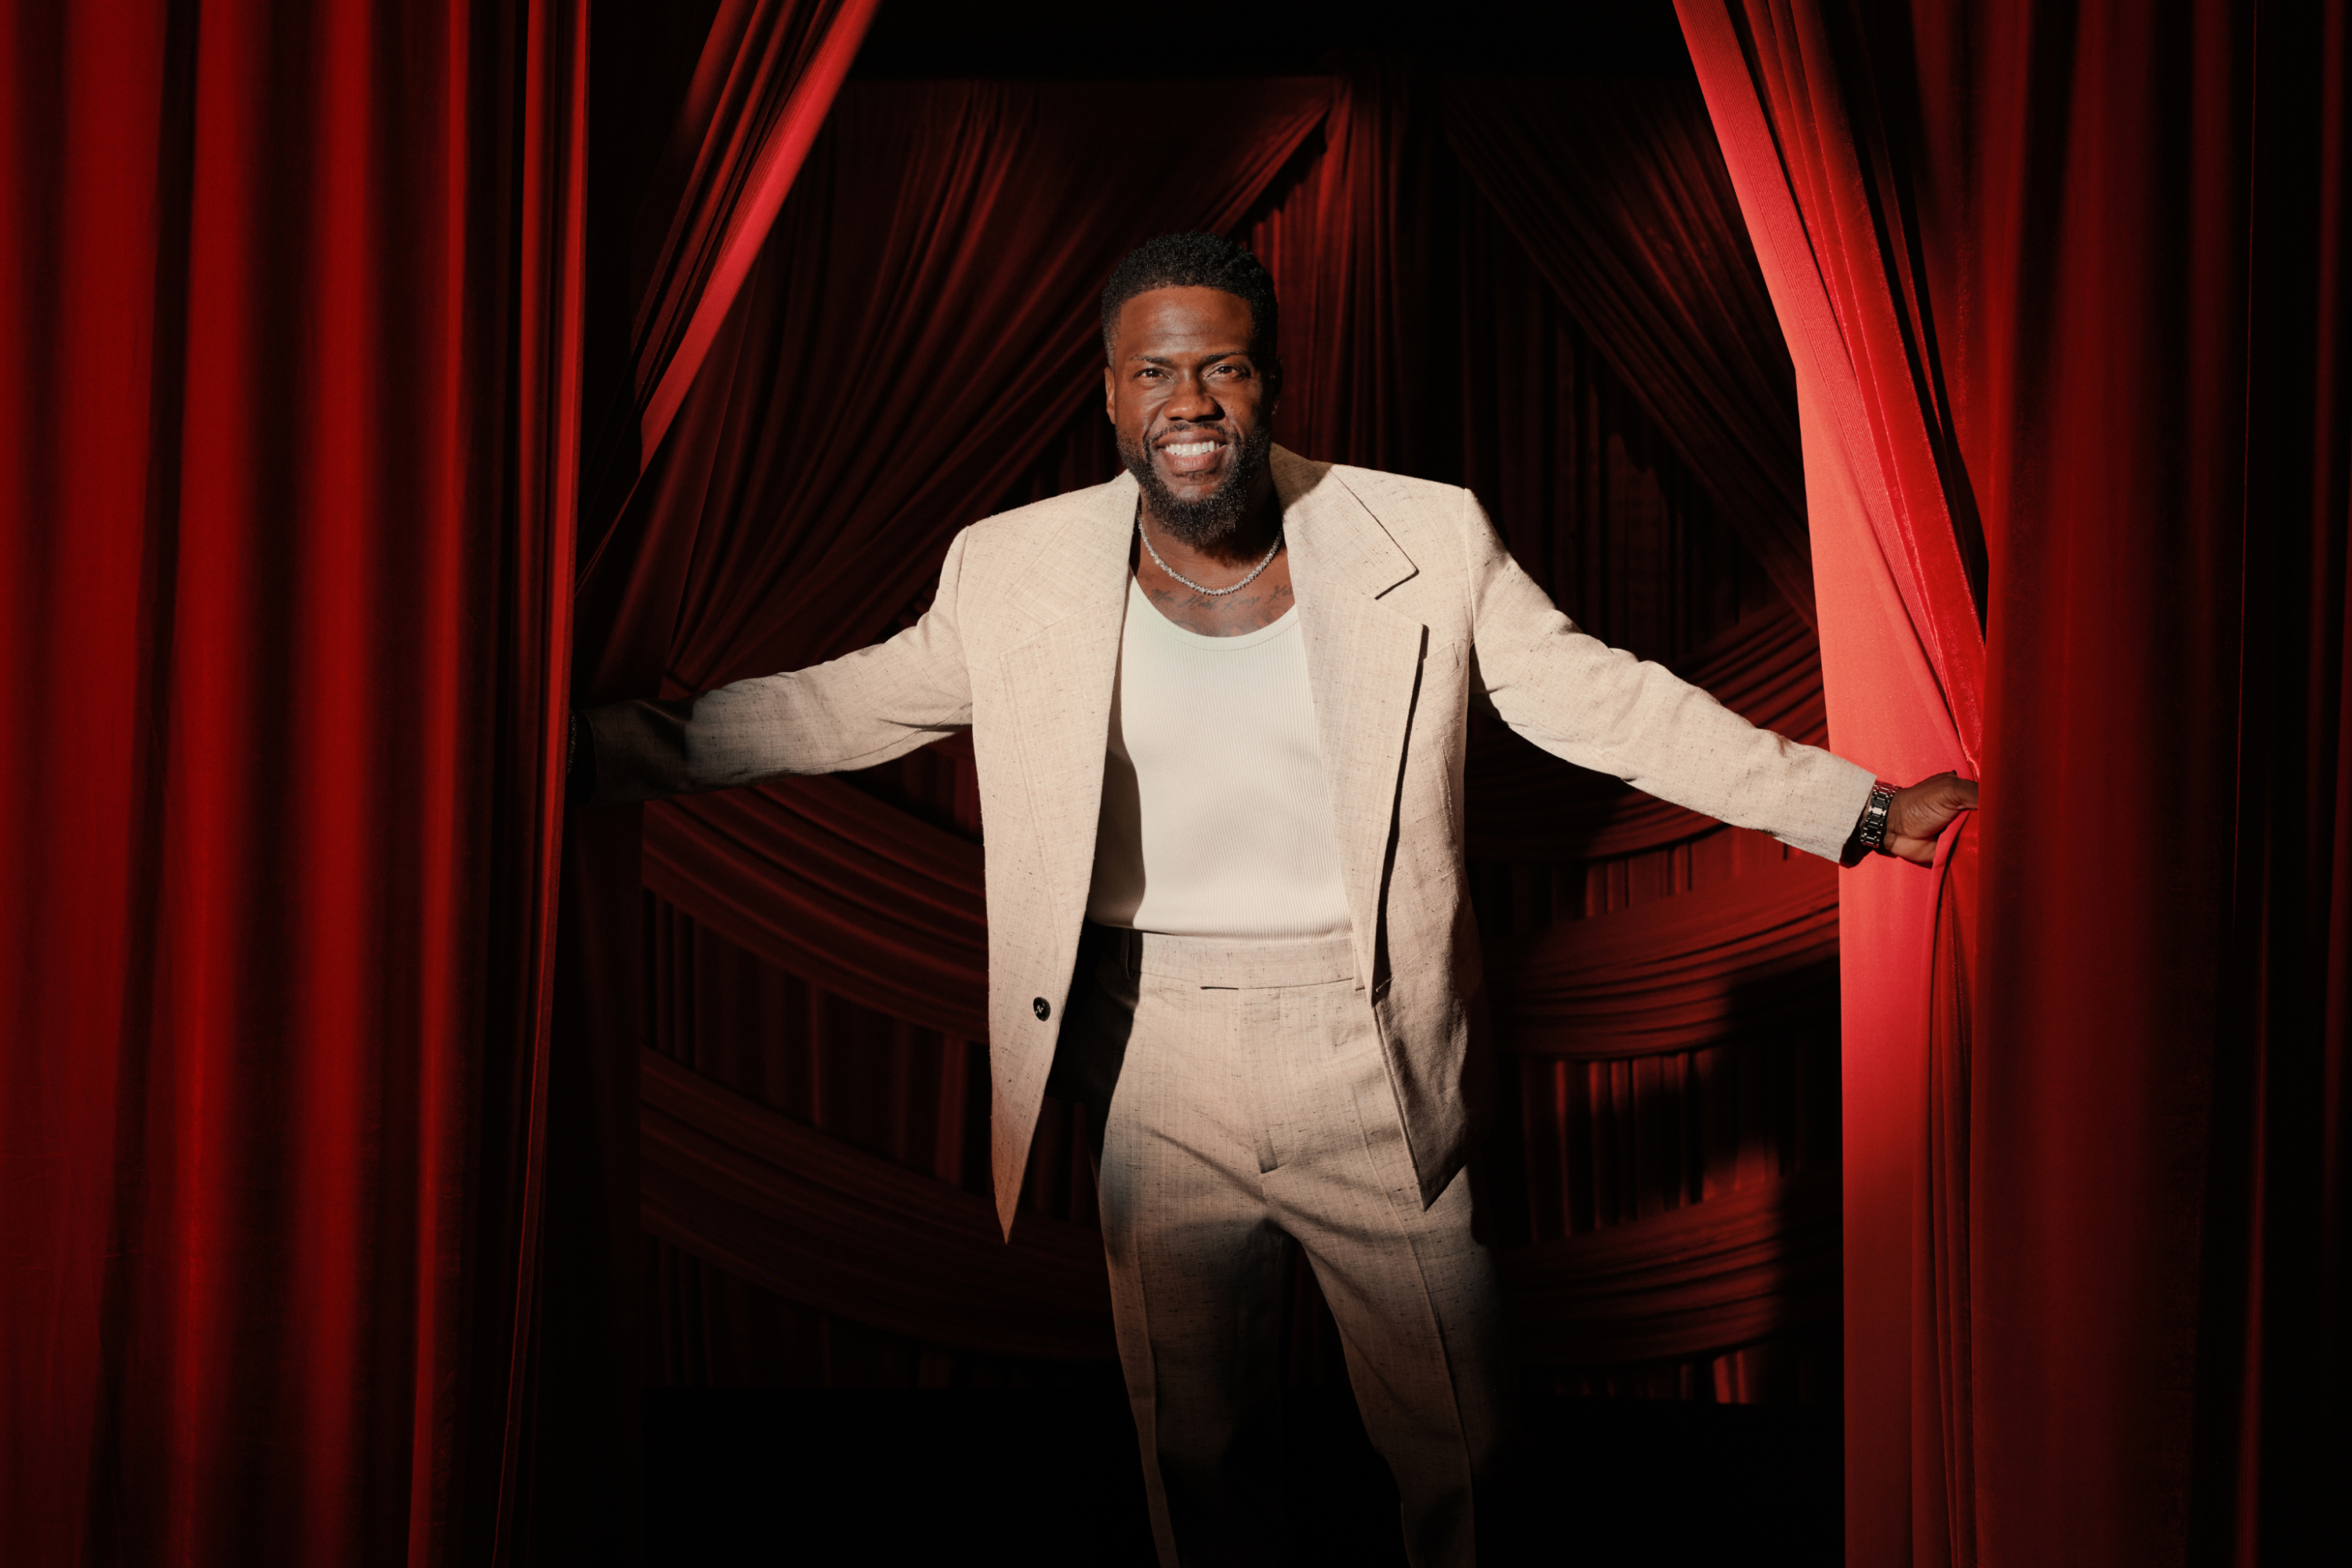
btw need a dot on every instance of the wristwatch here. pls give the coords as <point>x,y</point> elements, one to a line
<point>1870,830</point>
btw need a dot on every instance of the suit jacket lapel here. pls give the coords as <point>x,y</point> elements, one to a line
<point>1061,677</point>
<point>1363,666</point>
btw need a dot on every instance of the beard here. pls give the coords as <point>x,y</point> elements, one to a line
<point>1216,517</point>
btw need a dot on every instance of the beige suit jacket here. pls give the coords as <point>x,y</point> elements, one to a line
<point>1408,603</point>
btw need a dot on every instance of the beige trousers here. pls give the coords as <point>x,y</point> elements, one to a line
<point>1243,1105</point>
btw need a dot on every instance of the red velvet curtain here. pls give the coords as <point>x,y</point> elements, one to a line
<point>763,86</point>
<point>750,544</point>
<point>1490,373</point>
<point>1647,248</point>
<point>909,256</point>
<point>814,946</point>
<point>2082,267</point>
<point>1351,264</point>
<point>289,375</point>
<point>1903,663</point>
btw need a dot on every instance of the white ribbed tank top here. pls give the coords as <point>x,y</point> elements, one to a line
<point>1216,814</point>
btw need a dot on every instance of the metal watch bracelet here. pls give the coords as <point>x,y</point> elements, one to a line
<point>1870,832</point>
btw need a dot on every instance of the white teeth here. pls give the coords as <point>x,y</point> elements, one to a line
<point>1189,449</point>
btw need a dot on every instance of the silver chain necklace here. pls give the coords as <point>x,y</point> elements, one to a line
<point>1271,551</point>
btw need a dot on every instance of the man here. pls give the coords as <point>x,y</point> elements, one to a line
<point>1219,708</point>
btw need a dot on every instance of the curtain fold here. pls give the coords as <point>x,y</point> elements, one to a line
<point>761,86</point>
<point>2083,262</point>
<point>913,203</point>
<point>1903,667</point>
<point>818,1221</point>
<point>1618,191</point>
<point>837,882</point>
<point>289,363</point>
<point>1350,245</point>
<point>823,880</point>
<point>911,258</point>
<point>1752,956</point>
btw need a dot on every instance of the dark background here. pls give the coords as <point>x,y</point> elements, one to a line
<point>748,1455</point>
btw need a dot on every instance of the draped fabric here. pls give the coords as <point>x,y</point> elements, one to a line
<point>794,513</point>
<point>814,1219</point>
<point>1350,266</point>
<point>2083,265</point>
<point>912,204</point>
<point>1649,246</point>
<point>763,86</point>
<point>289,354</point>
<point>1903,668</point>
<point>819,877</point>
<point>842,883</point>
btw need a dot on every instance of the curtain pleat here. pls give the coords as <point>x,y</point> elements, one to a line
<point>1617,192</point>
<point>761,87</point>
<point>290,365</point>
<point>825,881</point>
<point>813,1220</point>
<point>763,84</point>
<point>2063,284</point>
<point>842,884</point>
<point>1903,665</point>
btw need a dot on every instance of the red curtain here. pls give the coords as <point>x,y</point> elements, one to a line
<point>2080,266</point>
<point>289,376</point>
<point>1351,265</point>
<point>813,944</point>
<point>1647,248</point>
<point>763,86</point>
<point>910,254</point>
<point>763,82</point>
<point>1903,665</point>
<point>910,260</point>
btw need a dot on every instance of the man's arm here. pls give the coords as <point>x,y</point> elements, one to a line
<point>853,711</point>
<point>1603,709</point>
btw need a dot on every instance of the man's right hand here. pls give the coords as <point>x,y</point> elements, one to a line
<point>1918,816</point>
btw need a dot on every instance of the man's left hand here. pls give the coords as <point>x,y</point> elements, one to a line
<point>1918,816</point>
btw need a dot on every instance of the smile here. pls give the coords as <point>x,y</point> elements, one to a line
<point>1191,449</point>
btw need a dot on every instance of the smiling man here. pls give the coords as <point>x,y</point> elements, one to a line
<point>1219,706</point>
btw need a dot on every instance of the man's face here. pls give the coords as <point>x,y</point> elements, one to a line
<point>1193,406</point>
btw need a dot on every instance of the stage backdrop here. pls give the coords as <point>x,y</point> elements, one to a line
<point>1665,1175</point>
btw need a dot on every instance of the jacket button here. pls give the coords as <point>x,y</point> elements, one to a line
<point>1043,1008</point>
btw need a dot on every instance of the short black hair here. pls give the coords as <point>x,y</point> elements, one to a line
<point>1193,262</point>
